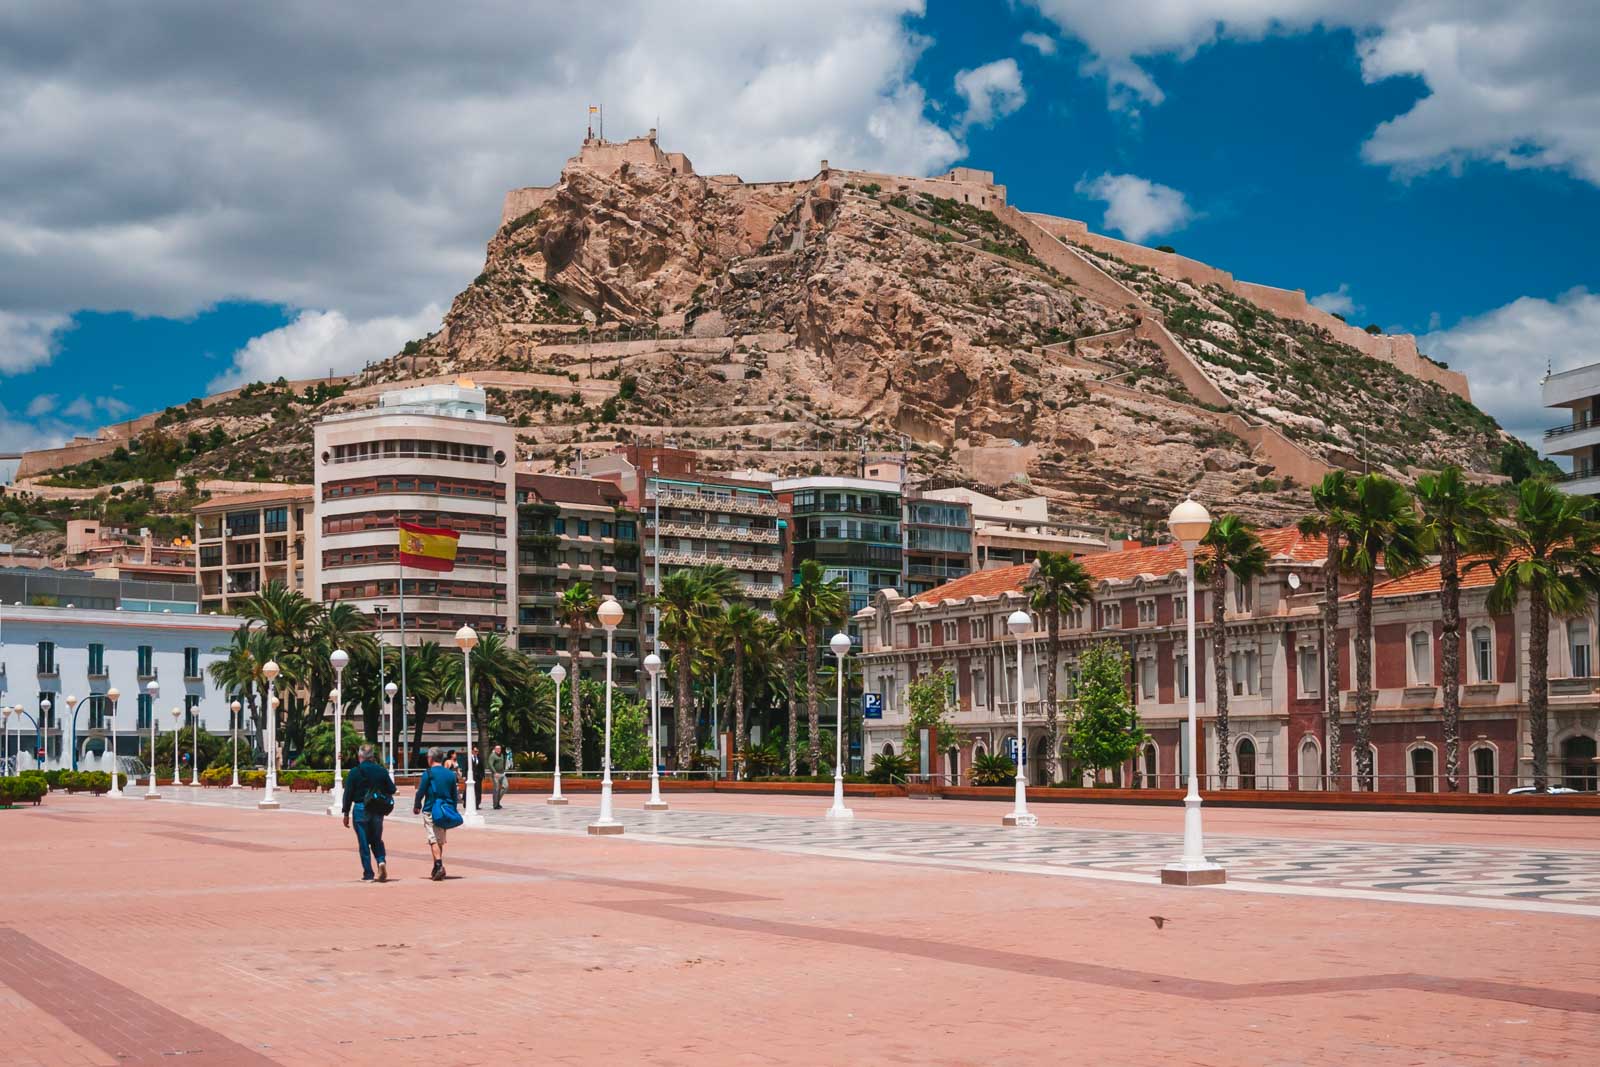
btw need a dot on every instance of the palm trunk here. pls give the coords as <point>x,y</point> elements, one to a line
<point>684,712</point>
<point>1450,657</point>
<point>1219,666</point>
<point>1330,654</point>
<point>813,741</point>
<point>421,721</point>
<point>1539,685</point>
<point>575,718</point>
<point>794,730</point>
<point>741,739</point>
<point>1364,685</point>
<point>1052,755</point>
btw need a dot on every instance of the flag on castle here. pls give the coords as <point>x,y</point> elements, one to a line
<point>429,548</point>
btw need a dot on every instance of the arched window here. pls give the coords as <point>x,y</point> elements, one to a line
<point>1577,763</point>
<point>1310,764</point>
<point>1246,753</point>
<point>1483,769</point>
<point>1482,654</point>
<point>1151,773</point>
<point>1368,782</point>
<point>888,748</point>
<point>1422,769</point>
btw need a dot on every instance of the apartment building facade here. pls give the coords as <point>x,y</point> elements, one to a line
<point>430,455</point>
<point>572,530</point>
<point>244,542</point>
<point>852,526</point>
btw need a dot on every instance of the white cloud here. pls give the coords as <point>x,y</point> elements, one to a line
<point>28,339</point>
<point>1504,353</point>
<point>318,342</point>
<point>1512,83</point>
<point>353,157</point>
<point>991,91</point>
<point>43,404</point>
<point>1338,302</point>
<point>1137,207</point>
<point>1042,43</point>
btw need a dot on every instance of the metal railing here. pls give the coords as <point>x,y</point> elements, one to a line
<point>713,531</point>
<point>740,505</point>
<point>1584,423</point>
<point>1467,782</point>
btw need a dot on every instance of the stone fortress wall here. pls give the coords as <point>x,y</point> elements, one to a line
<point>1400,349</point>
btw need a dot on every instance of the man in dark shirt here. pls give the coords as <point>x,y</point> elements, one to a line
<point>474,770</point>
<point>367,792</point>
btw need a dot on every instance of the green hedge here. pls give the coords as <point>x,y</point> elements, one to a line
<point>22,790</point>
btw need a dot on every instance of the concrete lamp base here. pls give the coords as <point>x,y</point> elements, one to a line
<point>1193,874</point>
<point>840,814</point>
<point>656,805</point>
<point>152,796</point>
<point>267,805</point>
<point>605,829</point>
<point>1025,819</point>
<point>556,802</point>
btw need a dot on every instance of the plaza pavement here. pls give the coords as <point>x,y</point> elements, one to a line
<point>745,930</point>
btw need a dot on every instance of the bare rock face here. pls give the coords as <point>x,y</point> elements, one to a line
<point>787,324</point>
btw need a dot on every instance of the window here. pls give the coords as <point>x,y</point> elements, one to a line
<point>1147,679</point>
<point>1111,615</point>
<point>1147,612</point>
<point>1310,764</point>
<point>1578,642</point>
<point>1243,597</point>
<point>1075,619</point>
<point>1422,769</point>
<point>97,660</point>
<point>1242,671</point>
<point>1310,670</point>
<point>146,664</point>
<point>1180,671</point>
<point>924,633</point>
<point>1246,752</point>
<point>191,662</point>
<point>949,631</point>
<point>1180,606</point>
<point>191,709</point>
<point>98,706</point>
<point>1482,654</point>
<point>980,628</point>
<point>143,721</point>
<point>885,629</point>
<point>1421,658</point>
<point>1483,769</point>
<point>980,688</point>
<point>47,657</point>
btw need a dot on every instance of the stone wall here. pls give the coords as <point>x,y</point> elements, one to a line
<point>519,202</point>
<point>968,188</point>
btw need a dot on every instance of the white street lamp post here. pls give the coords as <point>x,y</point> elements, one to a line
<point>70,734</point>
<point>177,736</point>
<point>269,671</point>
<point>652,666</point>
<point>467,640</point>
<point>388,735</point>
<point>43,726</point>
<point>1019,623</point>
<point>839,645</point>
<point>1189,522</point>
<point>112,695</point>
<point>233,710</point>
<point>610,614</point>
<point>558,674</point>
<point>152,689</point>
<point>5,754</point>
<point>340,659</point>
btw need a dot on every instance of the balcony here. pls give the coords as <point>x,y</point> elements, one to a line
<point>761,592</point>
<point>732,505</point>
<point>712,531</point>
<point>1581,482</point>
<point>738,563</point>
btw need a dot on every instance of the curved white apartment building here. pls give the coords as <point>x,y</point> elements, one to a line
<point>430,455</point>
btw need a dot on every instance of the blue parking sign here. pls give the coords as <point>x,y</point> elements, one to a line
<point>1011,750</point>
<point>872,705</point>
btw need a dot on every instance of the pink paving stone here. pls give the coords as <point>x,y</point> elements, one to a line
<point>232,933</point>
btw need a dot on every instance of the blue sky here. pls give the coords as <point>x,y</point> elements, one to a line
<point>192,203</point>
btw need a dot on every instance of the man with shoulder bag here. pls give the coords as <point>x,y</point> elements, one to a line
<point>369,794</point>
<point>436,803</point>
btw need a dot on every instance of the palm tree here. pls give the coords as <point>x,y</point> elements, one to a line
<point>339,625</point>
<point>1061,585</point>
<point>1457,517</point>
<point>287,617</point>
<point>813,602</point>
<point>576,609</point>
<point>239,671</point>
<point>1548,553</point>
<point>425,684</point>
<point>686,600</point>
<point>1235,550</point>
<point>498,670</point>
<point>1382,532</point>
<point>1331,497</point>
<point>742,628</point>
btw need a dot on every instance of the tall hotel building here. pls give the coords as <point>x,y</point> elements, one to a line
<point>431,455</point>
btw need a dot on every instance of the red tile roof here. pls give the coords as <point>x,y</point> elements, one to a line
<point>247,500</point>
<point>560,489</point>
<point>1283,544</point>
<point>1475,574</point>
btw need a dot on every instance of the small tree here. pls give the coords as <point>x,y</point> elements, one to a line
<point>1105,731</point>
<point>929,704</point>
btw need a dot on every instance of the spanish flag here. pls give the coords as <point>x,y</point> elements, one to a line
<point>429,548</point>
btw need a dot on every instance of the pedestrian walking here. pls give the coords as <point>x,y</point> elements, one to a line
<point>475,776</point>
<point>453,765</point>
<point>499,768</point>
<point>368,797</point>
<point>436,803</point>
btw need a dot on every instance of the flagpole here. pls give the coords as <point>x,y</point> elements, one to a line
<point>405,706</point>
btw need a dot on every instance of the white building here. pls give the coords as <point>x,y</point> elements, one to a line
<point>430,455</point>
<point>1578,391</point>
<point>52,653</point>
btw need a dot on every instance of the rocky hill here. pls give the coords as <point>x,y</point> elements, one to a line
<point>790,325</point>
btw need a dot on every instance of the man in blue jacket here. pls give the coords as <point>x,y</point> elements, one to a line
<point>369,792</point>
<point>437,782</point>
